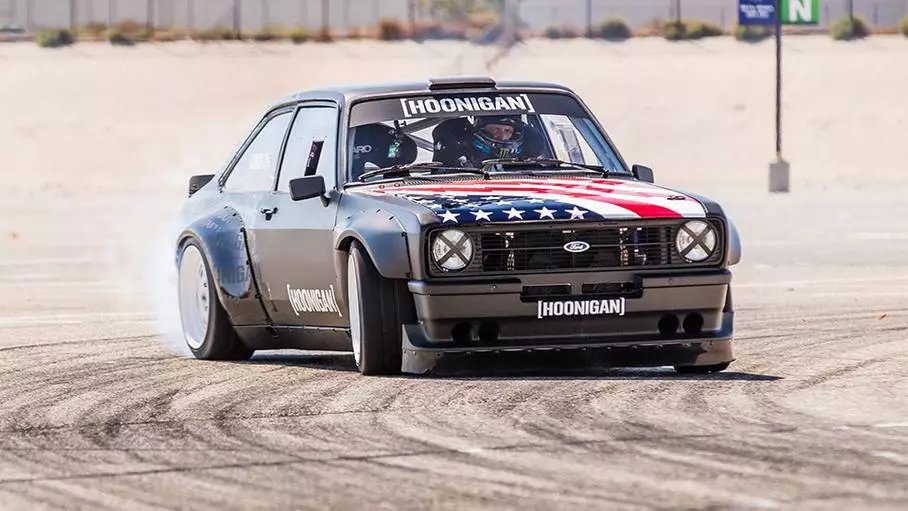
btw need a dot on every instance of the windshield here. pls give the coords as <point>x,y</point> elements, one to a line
<point>463,130</point>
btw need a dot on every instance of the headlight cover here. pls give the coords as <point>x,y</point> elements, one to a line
<point>696,241</point>
<point>452,250</point>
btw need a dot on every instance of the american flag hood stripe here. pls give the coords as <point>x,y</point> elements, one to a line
<point>544,199</point>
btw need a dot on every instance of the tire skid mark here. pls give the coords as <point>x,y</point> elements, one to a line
<point>250,417</point>
<point>130,338</point>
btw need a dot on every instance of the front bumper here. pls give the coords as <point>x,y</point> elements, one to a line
<point>665,319</point>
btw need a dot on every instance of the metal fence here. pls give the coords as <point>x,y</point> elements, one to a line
<point>252,15</point>
<point>637,13</point>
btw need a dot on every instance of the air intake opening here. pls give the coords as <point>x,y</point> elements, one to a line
<point>668,325</point>
<point>462,333</point>
<point>693,324</point>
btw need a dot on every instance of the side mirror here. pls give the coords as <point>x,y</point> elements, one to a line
<point>307,187</point>
<point>197,182</point>
<point>642,173</point>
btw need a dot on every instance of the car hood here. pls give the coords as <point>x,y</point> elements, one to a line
<point>545,199</point>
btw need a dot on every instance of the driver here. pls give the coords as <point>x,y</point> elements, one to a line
<point>465,144</point>
<point>499,136</point>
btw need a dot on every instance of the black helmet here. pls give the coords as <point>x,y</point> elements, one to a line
<point>491,147</point>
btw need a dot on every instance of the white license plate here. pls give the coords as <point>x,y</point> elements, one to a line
<point>566,308</point>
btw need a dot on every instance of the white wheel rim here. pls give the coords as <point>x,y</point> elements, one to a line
<point>195,297</point>
<point>356,327</point>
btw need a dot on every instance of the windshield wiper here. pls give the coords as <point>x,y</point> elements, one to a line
<point>487,164</point>
<point>435,167</point>
<point>399,170</point>
<point>461,170</point>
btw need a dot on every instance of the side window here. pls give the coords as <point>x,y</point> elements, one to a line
<point>254,171</point>
<point>311,124</point>
<point>569,144</point>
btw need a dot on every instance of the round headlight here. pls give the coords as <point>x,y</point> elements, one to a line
<point>696,241</point>
<point>452,250</point>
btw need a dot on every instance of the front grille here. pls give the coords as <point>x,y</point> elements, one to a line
<point>539,248</point>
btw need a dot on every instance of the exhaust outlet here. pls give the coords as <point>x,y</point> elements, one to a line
<point>668,325</point>
<point>693,324</point>
<point>462,333</point>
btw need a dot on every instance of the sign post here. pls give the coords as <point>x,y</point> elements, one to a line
<point>778,13</point>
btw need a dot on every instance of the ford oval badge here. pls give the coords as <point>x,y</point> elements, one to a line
<point>576,246</point>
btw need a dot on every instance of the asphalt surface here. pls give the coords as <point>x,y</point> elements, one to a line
<point>101,409</point>
<point>99,413</point>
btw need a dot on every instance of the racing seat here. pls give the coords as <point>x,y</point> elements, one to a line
<point>381,145</point>
<point>534,144</point>
<point>451,138</point>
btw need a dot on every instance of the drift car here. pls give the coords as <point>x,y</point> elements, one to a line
<point>409,222</point>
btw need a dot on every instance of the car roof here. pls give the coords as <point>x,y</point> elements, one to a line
<point>345,94</point>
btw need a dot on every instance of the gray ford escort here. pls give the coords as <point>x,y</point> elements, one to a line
<point>410,223</point>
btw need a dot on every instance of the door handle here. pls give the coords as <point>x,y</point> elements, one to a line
<point>269,212</point>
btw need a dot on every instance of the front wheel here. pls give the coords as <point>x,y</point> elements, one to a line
<point>206,327</point>
<point>378,308</point>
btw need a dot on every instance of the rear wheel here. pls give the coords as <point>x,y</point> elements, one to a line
<point>702,369</point>
<point>378,308</point>
<point>206,327</point>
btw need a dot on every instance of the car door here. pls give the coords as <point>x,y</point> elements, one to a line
<point>293,253</point>
<point>249,177</point>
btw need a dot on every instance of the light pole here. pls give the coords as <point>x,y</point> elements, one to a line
<point>149,17</point>
<point>326,29</point>
<point>589,18</point>
<point>778,170</point>
<point>72,16</point>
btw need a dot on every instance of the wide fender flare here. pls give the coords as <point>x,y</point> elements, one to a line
<point>384,238</point>
<point>223,242</point>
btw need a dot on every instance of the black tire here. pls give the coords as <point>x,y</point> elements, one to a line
<point>382,307</point>
<point>220,341</point>
<point>701,369</point>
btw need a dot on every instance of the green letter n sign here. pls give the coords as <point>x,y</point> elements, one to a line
<point>800,12</point>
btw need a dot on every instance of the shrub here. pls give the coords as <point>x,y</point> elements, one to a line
<point>903,25</point>
<point>615,29</point>
<point>701,29</point>
<point>560,32</point>
<point>392,30</point>
<point>482,19</point>
<point>356,33</point>
<point>93,30</point>
<point>167,35</point>
<point>569,32</point>
<point>137,31</point>
<point>844,30</point>
<point>218,33</point>
<point>753,33</point>
<point>298,35</point>
<point>323,36</point>
<point>682,30</point>
<point>54,38</point>
<point>116,37</point>
<point>426,30</point>
<point>127,33</point>
<point>674,31</point>
<point>269,33</point>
